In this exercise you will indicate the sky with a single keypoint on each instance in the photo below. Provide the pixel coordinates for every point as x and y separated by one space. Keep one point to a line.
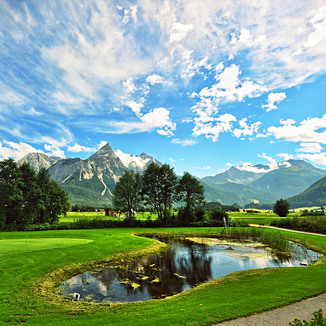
200 85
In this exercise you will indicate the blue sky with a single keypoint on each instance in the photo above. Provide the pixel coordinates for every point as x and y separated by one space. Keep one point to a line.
201 85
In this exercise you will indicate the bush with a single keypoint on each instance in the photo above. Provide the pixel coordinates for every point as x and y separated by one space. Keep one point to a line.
316 224
317 320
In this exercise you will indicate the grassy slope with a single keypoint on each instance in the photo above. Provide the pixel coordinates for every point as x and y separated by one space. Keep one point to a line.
236 295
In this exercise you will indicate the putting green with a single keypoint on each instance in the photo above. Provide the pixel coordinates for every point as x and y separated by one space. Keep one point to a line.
20 245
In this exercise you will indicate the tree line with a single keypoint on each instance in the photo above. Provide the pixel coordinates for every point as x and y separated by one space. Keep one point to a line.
158 188
27 197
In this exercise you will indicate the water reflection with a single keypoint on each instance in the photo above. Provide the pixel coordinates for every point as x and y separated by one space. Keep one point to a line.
185 265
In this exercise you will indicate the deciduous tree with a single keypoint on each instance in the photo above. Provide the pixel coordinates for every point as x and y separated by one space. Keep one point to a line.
159 184
281 208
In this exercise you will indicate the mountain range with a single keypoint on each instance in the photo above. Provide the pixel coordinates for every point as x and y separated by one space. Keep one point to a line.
90 182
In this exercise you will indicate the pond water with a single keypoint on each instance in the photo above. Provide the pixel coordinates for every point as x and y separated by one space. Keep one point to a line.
185 265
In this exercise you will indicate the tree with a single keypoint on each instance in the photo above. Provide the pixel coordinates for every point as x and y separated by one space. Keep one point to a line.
27 198
31 194
281 208
191 192
11 200
127 193
53 199
159 184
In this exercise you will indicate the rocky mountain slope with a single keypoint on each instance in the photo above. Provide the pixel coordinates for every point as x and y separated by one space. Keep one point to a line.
38 160
91 182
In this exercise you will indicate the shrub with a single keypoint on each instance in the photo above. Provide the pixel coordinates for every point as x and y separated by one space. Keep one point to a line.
318 320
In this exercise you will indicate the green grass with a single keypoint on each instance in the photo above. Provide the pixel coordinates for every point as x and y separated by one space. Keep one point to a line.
13 246
238 294
263 217
75 216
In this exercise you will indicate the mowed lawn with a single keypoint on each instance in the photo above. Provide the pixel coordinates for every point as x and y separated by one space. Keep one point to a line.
27 257
261 217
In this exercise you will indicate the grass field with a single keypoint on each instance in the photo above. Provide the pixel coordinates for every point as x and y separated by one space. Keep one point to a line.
263 217
27 258
73 216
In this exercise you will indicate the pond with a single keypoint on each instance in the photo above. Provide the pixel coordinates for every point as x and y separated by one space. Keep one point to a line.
183 266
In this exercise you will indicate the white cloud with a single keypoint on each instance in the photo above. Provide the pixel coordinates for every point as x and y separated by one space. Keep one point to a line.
135 107
212 129
184 142
272 99
248 167
307 131
180 31
79 148
191 66
319 158
228 88
66 98
285 156
15 150
272 165
129 86
156 79
310 148
102 143
158 119
97 52
318 23
54 150
246 130
272 162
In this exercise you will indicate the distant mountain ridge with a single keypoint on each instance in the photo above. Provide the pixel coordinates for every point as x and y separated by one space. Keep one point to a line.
265 185
315 195
90 182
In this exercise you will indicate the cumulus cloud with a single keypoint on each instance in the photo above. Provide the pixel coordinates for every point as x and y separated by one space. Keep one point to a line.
192 66
285 156
309 130
211 130
184 142
228 88
310 148
272 99
158 119
319 158
54 150
80 148
157 79
135 107
271 166
246 130
15 150
248 167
